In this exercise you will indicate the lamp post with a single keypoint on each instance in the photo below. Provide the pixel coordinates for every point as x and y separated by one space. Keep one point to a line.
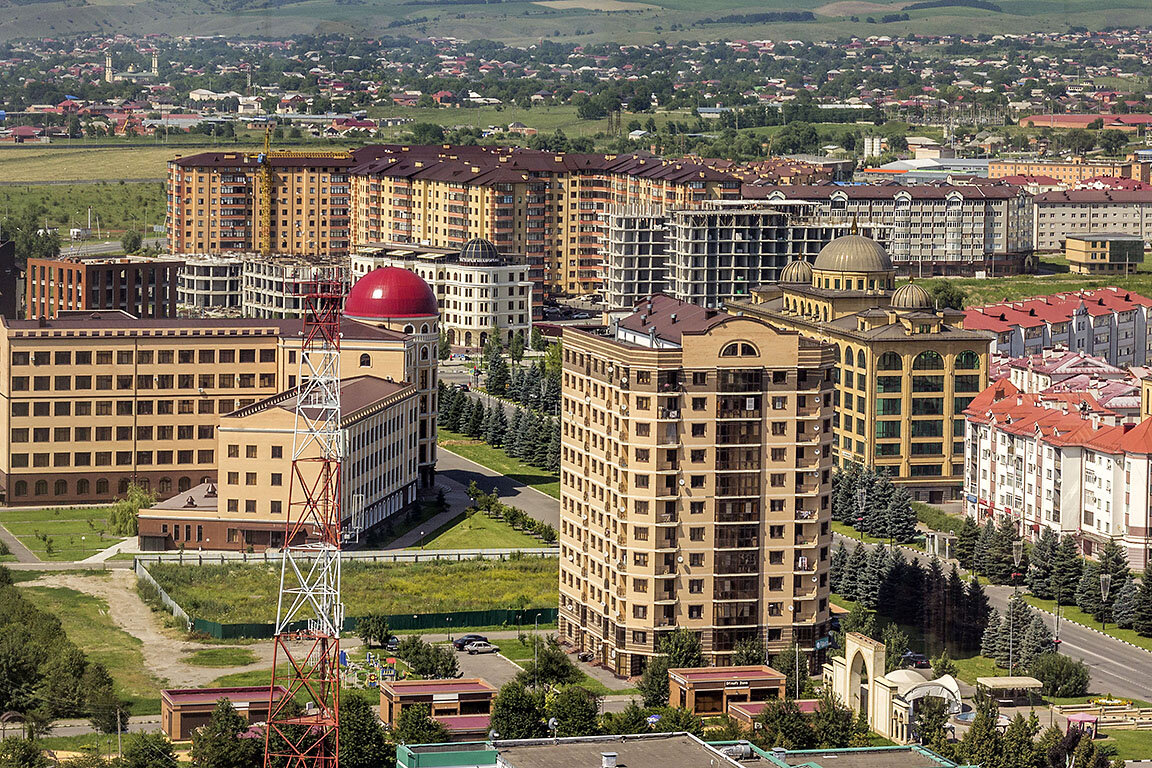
861 500
1105 586
536 653
1017 556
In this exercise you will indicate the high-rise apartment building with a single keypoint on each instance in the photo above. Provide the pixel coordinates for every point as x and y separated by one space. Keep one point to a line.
1080 211
695 480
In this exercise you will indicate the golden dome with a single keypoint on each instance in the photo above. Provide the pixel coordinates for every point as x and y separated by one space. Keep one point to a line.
853 253
797 271
912 296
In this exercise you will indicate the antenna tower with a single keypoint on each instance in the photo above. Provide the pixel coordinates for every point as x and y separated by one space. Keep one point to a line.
310 612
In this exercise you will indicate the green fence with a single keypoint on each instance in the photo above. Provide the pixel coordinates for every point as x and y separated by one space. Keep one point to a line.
495 617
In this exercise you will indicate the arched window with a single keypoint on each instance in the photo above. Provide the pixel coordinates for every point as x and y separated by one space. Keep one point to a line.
20 488
424 352
183 484
60 488
860 362
101 486
739 349
928 360
365 360
164 486
889 361
122 486
967 360
41 488
424 328
83 487
409 329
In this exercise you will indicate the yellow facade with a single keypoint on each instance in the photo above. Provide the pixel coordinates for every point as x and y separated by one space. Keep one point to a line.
1104 253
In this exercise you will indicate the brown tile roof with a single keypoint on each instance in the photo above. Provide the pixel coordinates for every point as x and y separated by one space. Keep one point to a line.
671 318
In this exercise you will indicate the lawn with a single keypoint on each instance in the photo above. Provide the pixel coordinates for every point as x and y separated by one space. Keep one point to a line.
39 163
851 533
114 206
479 531
246 593
87 624
1130 745
69 533
1073 613
986 291
495 459
221 658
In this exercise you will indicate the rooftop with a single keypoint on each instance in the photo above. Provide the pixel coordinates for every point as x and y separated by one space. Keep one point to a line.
1056 308
671 318
724 674
657 751
92 323
434 687
356 394
186 696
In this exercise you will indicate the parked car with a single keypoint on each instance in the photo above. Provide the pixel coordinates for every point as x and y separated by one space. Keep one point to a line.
913 659
480 646
392 644
462 642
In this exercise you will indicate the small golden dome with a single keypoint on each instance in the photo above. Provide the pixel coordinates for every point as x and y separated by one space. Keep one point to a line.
797 271
853 253
912 296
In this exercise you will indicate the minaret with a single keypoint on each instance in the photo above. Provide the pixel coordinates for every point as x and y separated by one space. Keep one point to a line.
155 64
108 67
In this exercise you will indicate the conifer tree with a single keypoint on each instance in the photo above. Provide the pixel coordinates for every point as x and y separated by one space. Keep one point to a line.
497 427
1036 640
1142 611
935 615
465 417
901 518
1040 561
497 381
990 641
476 421
1088 590
976 613
981 561
553 464
837 566
966 539
1124 606
1067 569
868 583
540 452
857 563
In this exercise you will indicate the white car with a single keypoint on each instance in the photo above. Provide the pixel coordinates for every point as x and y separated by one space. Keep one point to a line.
480 647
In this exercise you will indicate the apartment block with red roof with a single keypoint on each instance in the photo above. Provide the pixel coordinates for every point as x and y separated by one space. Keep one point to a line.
1110 323
1060 461
1076 211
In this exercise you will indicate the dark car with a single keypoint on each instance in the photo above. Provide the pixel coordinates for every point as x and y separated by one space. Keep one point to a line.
913 659
462 641
392 644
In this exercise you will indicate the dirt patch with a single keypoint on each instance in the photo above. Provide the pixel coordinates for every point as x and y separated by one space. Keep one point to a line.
857 8
597 5
163 652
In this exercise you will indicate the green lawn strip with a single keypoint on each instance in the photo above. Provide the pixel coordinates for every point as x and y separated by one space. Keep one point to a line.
849 532
245 679
1072 613
234 593
936 518
1130 745
63 551
410 521
57 529
1088 699
57 514
86 621
221 658
495 459
479 532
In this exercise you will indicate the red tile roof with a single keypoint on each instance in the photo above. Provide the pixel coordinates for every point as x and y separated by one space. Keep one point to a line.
1057 308
671 318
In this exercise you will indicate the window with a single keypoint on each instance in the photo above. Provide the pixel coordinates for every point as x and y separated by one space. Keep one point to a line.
277 479
277 451
639 611
695 611
697 481
640 533
696 559
365 360
739 349
967 361
928 360
889 361
696 586
696 534
698 430
275 506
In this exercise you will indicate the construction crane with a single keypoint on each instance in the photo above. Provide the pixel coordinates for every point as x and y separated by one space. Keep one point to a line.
303 728
266 179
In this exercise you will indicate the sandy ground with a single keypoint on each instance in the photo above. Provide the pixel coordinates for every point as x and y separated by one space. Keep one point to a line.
857 8
162 647
597 5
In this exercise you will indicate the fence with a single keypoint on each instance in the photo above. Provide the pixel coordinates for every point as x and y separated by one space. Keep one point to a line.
493 617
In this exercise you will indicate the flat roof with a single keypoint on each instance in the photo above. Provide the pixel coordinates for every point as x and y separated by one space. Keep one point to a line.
184 696
676 750
433 687
460 723
866 757
726 674
1008 682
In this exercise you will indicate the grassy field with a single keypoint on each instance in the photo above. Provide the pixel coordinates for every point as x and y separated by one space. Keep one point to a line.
221 658
246 593
115 207
1130 745
496 459
1073 613
86 621
40 163
61 534
545 119
478 532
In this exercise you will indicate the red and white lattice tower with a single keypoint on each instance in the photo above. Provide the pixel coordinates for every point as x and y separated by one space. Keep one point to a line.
310 612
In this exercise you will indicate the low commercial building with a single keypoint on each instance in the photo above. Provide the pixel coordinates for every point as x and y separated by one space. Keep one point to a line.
1063 462
1104 253
1110 323
248 507
906 370
478 287
708 691
1080 211
463 706
183 710
139 286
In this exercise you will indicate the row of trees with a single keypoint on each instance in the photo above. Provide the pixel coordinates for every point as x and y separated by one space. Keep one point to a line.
948 610
988 551
490 504
871 503
527 436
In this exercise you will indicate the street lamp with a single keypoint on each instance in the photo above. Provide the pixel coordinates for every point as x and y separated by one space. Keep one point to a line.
536 653
948 545
1105 586
1017 556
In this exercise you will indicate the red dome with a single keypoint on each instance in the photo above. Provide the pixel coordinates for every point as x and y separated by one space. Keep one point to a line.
390 292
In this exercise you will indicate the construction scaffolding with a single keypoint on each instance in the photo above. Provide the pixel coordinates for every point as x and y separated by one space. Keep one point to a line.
307 662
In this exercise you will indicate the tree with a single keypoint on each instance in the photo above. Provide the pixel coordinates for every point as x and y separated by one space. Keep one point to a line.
1124 606
516 346
1142 612
793 664
901 518
678 720
782 724
16 752
1088 591
834 725
983 744
415 725
539 343
220 744
682 647
131 241
576 710
946 294
62 683
517 713
497 381
497 427
837 567
149 750
869 581
1113 562
850 581
1020 750
748 652
1062 675
107 713
122 519
1037 640
631 719
895 645
981 558
427 133
990 641
1067 567
943 665
653 684
1112 141
975 615
373 629
549 665
1078 141
931 717
966 538
443 347
1040 562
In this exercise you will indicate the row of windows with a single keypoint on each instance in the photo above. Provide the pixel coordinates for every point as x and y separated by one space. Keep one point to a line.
144 356
105 434
83 486
125 407
105 458
143 381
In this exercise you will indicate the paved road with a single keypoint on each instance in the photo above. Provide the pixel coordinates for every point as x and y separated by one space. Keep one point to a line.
460 470
1117 668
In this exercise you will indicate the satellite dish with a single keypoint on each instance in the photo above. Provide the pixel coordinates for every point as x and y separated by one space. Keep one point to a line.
553 723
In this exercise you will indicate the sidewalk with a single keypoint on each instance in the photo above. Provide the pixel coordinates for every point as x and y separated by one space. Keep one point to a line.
129 545
457 497
21 552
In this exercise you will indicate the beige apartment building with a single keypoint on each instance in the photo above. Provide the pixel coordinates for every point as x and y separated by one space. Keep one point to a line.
695 481
1075 212
93 401
249 504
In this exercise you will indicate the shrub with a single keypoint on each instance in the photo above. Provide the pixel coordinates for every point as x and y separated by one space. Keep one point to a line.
1062 676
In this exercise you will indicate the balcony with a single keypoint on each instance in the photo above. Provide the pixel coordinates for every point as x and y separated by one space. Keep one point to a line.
665 572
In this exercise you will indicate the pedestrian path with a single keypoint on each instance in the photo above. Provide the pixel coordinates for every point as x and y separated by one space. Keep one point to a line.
130 545
17 548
